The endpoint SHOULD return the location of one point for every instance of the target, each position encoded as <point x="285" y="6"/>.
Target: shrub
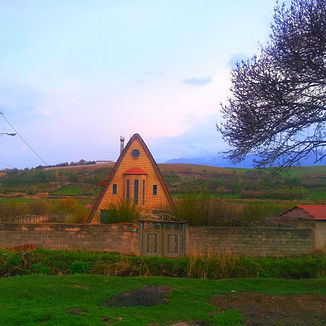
<point x="123" y="211"/>
<point x="39" y="269"/>
<point x="79" y="267"/>
<point x="119" y="268"/>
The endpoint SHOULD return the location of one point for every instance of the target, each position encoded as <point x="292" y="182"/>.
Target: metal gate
<point x="162" y="238"/>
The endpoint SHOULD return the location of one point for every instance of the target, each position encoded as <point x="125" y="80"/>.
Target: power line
<point x="5" y="164"/>
<point x="25" y="142"/>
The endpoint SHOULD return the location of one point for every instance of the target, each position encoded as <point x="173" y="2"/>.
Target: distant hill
<point x="217" y="161"/>
<point x="220" y="161"/>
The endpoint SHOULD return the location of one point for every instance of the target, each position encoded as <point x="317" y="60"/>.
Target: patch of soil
<point x="111" y="321"/>
<point x="25" y="247"/>
<point x="259" y="309"/>
<point x="78" y="286"/>
<point x="76" y="311"/>
<point x="147" y="296"/>
<point x="192" y="323"/>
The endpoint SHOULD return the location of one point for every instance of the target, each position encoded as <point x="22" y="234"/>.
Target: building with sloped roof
<point x="306" y="212"/>
<point x="309" y="216"/>
<point x="135" y="178"/>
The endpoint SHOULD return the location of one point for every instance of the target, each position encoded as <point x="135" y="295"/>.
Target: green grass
<point x="300" y="171"/>
<point x="46" y="300"/>
<point x="17" y="200"/>
<point x="69" y="190"/>
<point x="58" y="262"/>
<point x="317" y="194"/>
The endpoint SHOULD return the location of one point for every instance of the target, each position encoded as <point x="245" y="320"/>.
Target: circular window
<point x="135" y="153"/>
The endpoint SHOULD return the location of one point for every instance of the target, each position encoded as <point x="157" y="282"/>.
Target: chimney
<point x="122" y="144"/>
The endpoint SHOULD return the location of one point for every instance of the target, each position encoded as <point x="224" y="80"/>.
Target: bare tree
<point x="277" y="110"/>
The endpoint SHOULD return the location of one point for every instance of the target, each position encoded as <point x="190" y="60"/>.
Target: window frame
<point x="114" y="189"/>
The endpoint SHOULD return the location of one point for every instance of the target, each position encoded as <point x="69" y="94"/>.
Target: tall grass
<point x="219" y="266"/>
<point x="68" y="210"/>
<point x="203" y="210"/>
<point x="122" y="211"/>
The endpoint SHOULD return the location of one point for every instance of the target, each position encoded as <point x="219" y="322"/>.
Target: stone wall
<point x="119" y="238"/>
<point x="250" y="241"/>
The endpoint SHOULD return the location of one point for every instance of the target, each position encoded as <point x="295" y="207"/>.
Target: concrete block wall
<point x="199" y="240"/>
<point x="249" y="241"/>
<point x="320" y="235"/>
<point x="115" y="237"/>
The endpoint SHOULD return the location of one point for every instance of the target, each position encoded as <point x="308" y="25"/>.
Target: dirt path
<point x="260" y="309"/>
<point x="147" y="296"/>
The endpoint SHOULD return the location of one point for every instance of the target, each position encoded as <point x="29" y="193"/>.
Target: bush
<point x="123" y="211"/>
<point x="39" y="269"/>
<point x="79" y="267"/>
<point x="120" y="268"/>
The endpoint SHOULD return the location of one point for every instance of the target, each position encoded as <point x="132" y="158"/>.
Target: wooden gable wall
<point x="152" y="177"/>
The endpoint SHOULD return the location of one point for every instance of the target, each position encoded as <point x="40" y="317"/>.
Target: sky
<point x="75" y="75"/>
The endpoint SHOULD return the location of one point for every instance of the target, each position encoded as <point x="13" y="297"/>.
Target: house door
<point x="162" y="238"/>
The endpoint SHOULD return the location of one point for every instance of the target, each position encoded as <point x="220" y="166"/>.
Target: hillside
<point x="299" y="183"/>
<point x="219" y="160"/>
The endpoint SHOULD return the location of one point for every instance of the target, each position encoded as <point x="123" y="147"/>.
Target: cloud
<point x="201" y="140"/>
<point x="197" y="81"/>
<point x="86" y="122"/>
<point x="235" y="58"/>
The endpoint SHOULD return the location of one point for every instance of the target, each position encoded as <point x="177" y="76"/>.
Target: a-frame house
<point x="135" y="177"/>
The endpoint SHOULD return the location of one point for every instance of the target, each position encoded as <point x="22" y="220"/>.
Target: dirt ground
<point x="147" y="296"/>
<point x="260" y="309"/>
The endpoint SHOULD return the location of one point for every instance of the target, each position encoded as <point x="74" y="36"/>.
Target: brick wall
<point x="114" y="237"/>
<point x="250" y="241"/>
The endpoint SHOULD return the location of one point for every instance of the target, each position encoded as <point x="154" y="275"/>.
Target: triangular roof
<point x="317" y="212"/>
<point x="107" y="182"/>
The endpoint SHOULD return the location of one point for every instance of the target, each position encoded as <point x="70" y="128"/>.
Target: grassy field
<point x="241" y="196"/>
<point x="69" y="191"/>
<point x="18" y="200"/>
<point x="295" y="183"/>
<point x="78" y="300"/>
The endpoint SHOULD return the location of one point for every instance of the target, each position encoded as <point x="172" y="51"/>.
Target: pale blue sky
<point x="75" y="74"/>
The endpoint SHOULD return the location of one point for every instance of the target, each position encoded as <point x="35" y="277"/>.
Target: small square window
<point x="154" y="190"/>
<point x="114" y="189"/>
